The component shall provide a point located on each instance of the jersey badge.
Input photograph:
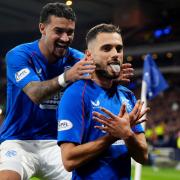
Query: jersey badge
(64, 125)
(21, 74)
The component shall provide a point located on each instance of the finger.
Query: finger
(144, 112)
(126, 65)
(141, 121)
(134, 113)
(110, 114)
(101, 128)
(124, 80)
(100, 116)
(86, 72)
(127, 75)
(122, 110)
(85, 76)
(135, 109)
(105, 123)
(86, 62)
(87, 67)
(128, 70)
(140, 108)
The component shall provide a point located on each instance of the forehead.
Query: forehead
(61, 22)
(108, 38)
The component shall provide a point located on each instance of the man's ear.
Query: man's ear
(87, 53)
(42, 28)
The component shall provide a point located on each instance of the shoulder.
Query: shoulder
(76, 53)
(77, 87)
(74, 95)
(124, 89)
(22, 51)
(78, 90)
(127, 94)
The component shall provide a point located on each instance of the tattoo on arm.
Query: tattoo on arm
(39, 91)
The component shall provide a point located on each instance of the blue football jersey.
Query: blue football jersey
(26, 120)
(75, 124)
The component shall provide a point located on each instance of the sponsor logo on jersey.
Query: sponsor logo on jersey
(119, 142)
(52, 102)
(95, 104)
(64, 125)
(39, 71)
(11, 153)
(21, 74)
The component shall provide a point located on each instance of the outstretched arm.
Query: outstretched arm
(38, 91)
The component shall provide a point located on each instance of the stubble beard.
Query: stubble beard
(102, 73)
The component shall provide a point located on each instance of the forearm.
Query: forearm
(39, 91)
(137, 147)
(75, 156)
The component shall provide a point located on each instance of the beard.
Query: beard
(103, 73)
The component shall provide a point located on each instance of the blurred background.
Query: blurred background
(148, 26)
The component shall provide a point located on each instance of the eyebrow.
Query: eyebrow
(64, 29)
(109, 45)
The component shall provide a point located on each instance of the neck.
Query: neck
(103, 82)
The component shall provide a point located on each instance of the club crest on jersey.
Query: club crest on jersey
(64, 125)
(128, 104)
(21, 74)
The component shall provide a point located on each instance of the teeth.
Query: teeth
(61, 45)
(115, 67)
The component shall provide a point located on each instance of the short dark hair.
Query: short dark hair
(56, 9)
(101, 28)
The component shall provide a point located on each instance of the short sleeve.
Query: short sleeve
(70, 115)
(19, 68)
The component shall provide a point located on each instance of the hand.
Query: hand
(135, 116)
(120, 126)
(126, 73)
(116, 126)
(81, 70)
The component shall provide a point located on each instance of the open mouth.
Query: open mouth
(60, 45)
(115, 66)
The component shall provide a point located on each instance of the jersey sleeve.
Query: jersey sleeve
(19, 68)
(70, 115)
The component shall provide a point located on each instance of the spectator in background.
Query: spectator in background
(37, 73)
(103, 152)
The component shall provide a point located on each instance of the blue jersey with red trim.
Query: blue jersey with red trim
(25, 119)
(75, 125)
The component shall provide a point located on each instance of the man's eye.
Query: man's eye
(69, 33)
(119, 48)
(59, 31)
(107, 48)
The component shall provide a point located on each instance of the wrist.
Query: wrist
(129, 135)
(110, 139)
(62, 80)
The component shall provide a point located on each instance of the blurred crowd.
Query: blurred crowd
(163, 126)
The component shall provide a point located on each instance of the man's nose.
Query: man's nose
(64, 37)
(115, 53)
